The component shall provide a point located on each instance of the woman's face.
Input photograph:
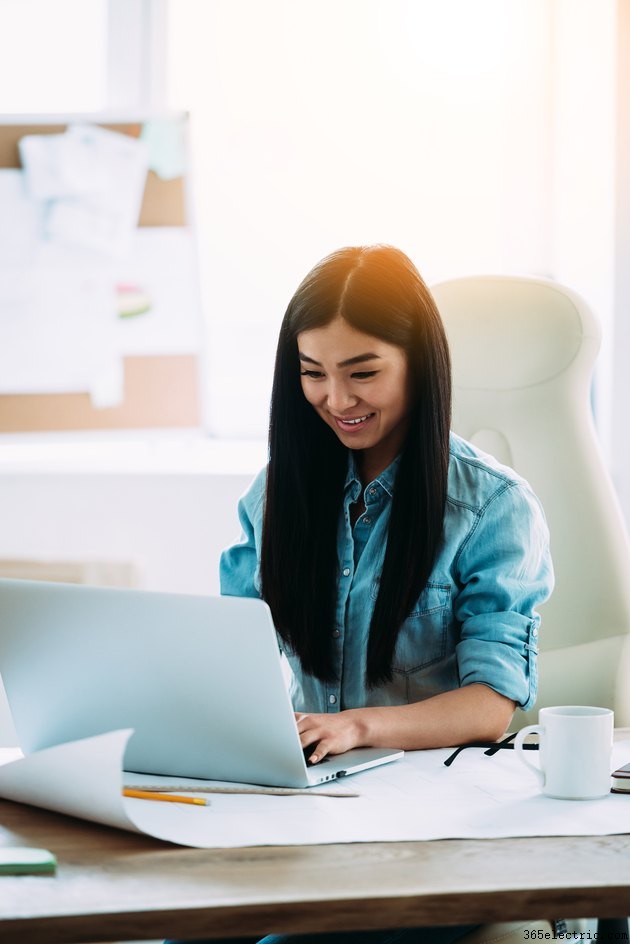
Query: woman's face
(359, 385)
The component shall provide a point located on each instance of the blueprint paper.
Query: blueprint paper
(415, 798)
(59, 779)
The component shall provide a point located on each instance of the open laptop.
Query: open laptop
(198, 678)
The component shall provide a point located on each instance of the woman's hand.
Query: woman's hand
(329, 734)
(472, 713)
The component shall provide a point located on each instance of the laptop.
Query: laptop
(199, 678)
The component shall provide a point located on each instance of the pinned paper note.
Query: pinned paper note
(132, 300)
(21, 221)
(91, 181)
(59, 166)
(57, 327)
(165, 140)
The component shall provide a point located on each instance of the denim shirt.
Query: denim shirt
(476, 619)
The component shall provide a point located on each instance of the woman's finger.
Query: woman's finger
(321, 750)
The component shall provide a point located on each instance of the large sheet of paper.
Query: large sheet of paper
(414, 798)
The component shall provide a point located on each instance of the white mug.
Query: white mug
(575, 751)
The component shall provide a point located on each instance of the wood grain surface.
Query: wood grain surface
(112, 885)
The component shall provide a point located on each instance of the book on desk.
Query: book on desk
(621, 779)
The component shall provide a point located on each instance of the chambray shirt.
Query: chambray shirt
(476, 619)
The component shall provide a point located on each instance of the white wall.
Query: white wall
(621, 398)
(172, 526)
(583, 163)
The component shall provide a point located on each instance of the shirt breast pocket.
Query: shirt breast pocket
(422, 640)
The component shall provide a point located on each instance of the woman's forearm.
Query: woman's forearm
(474, 712)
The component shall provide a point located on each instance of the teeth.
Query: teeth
(359, 419)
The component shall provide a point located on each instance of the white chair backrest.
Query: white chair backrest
(523, 351)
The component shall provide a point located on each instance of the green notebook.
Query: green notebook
(16, 860)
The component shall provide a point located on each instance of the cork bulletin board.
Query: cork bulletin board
(159, 389)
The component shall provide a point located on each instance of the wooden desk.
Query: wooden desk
(113, 885)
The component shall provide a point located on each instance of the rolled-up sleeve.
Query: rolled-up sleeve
(504, 573)
(239, 565)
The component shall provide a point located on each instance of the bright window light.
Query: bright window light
(53, 56)
(314, 126)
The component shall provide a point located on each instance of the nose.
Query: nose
(339, 397)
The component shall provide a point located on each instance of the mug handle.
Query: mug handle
(518, 747)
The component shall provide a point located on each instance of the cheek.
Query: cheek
(309, 393)
(397, 400)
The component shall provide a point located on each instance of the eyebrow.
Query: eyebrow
(359, 359)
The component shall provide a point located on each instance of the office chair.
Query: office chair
(523, 351)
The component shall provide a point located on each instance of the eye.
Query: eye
(313, 374)
(364, 374)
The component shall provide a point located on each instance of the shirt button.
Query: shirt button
(372, 491)
(336, 634)
(346, 571)
(367, 520)
(332, 699)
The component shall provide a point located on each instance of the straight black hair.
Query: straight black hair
(376, 290)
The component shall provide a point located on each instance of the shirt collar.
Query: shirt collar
(386, 479)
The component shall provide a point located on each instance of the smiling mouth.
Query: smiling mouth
(355, 423)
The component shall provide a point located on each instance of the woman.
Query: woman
(402, 566)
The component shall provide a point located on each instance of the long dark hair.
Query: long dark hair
(378, 291)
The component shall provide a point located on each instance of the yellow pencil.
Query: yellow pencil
(167, 797)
